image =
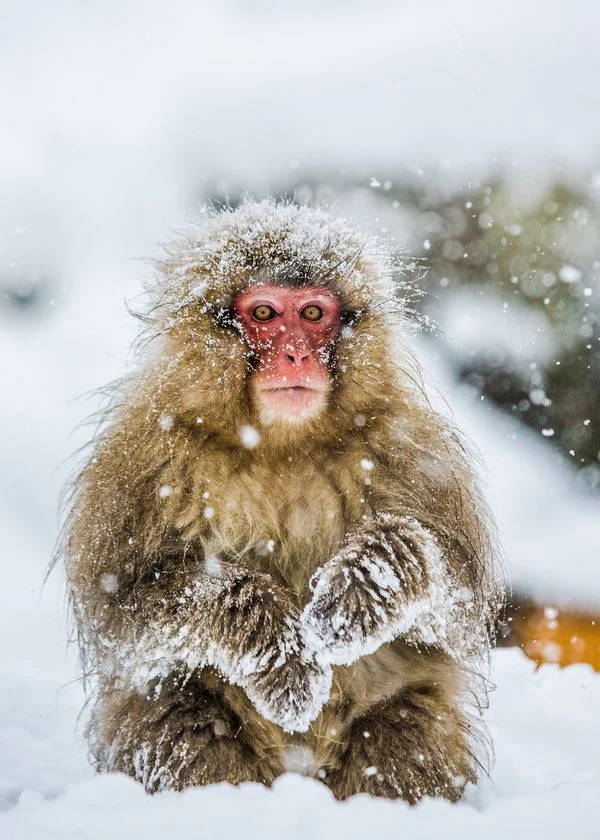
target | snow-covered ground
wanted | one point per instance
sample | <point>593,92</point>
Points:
<point>115,116</point>
<point>546,782</point>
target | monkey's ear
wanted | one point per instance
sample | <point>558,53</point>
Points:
<point>351,317</point>
<point>225,317</point>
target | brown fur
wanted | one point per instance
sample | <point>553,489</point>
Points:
<point>277,513</point>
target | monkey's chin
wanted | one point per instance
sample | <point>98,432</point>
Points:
<point>289,405</point>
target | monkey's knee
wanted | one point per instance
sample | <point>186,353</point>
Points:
<point>181,738</point>
<point>412,746</point>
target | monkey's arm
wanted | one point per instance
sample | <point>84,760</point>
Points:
<point>236,620</point>
<point>388,580</point>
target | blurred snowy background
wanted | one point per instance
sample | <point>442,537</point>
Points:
<point>467,131</point>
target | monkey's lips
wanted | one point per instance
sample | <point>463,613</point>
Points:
<point>289,401</point>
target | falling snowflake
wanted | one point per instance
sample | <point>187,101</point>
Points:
<point>569,274</point>
<point>165,421</point>
<point>109,583</point>
<point>249,436</point>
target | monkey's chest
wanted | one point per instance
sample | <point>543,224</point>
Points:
<point>284,523</point>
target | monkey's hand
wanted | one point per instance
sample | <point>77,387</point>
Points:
<point>289,686</point>
<point>260,647</point>
<point>388,580</point>
<point>247,628</point>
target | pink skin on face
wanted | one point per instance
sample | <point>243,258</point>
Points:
<point>290,331</point>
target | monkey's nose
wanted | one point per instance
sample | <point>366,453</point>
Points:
<point>296,357</point>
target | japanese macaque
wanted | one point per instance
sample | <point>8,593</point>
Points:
<point>277,555</point>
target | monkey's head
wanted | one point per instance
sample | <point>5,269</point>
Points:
<point>274,316</point>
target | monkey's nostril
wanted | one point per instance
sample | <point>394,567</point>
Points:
<point>297,358</point>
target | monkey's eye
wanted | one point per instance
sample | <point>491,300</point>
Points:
<point>312,312</point>
<point>263,312</point>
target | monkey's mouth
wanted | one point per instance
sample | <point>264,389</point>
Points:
<point>289,402</point>
<point>291,388</point>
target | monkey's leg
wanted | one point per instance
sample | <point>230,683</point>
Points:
<point>184,736</point>
<point>411,746</point>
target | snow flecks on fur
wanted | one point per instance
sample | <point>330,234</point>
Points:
<point>267,240</point>
<point>366,596</point>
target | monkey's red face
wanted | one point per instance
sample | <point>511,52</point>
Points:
<point>290,333</point>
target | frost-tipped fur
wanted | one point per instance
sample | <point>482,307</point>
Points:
<point>190,557</point>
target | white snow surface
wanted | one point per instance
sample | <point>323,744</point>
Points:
<point>544,723</point>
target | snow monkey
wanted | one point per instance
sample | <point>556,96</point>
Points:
<point>277,554</point>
